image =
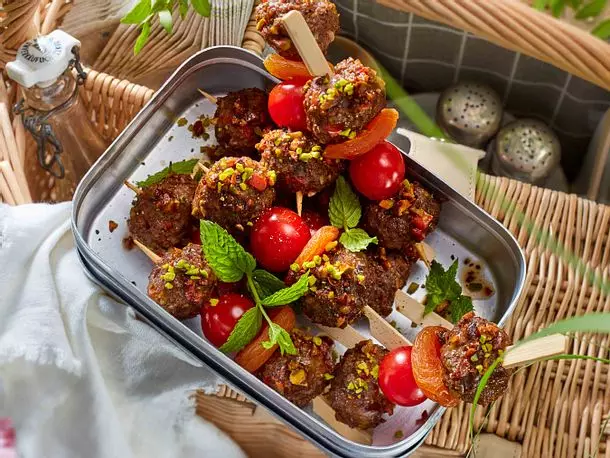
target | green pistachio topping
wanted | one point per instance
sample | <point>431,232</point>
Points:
<point>168,285</point>
<point>295,267</point>
<point>317,340</point>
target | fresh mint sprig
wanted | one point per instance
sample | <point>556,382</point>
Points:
<point>144,12</point>
<point>442,286</point>
<point>231,262</point>
<point>181,168</point>
<point>344,212</point>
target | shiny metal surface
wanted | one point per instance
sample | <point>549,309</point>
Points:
<point>153,139</point>
<point>525,149</point>
<point>469,113</point>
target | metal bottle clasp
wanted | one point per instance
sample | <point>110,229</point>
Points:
<point>36,122</point>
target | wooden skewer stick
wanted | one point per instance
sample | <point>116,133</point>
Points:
<point>299,202</point>
<point>199,167</point>
<point>210,97</point>
<point>13,184</point>
<point>529,352</point>
<point>133,187</point>
<point>426,253</point>
<point>154,257</point>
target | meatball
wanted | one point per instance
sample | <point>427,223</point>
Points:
<point>301,377</point>
<point>339,106</point>
<point>354,392</point>
<point>241,120</point>
<point>467,352</point>
<point>321,17</point>
<point>386,273</point>
<point>336,296</point>
<point>403,220</point>
<point>298,162</point>
<point>182,282</point>
<point>161,215</point>
<point>234,193</point>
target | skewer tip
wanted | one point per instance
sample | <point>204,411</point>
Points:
<point>299,202</point>
<point>133,187</point>
<point>154,257</point>
<point>210,97</point>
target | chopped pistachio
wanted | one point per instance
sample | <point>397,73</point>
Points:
<point>412,287</point>
<point>312,281</point>
<point>181,264</point>
<point>239,167</point>
<point>299,150</point>
<point>345,133</point>
<point>317,340</point>
<point>243,186</point>
<point>204,273</point>
<point>278,141</point>
<point>479,368</point>
<point>330,245</point>
<point>398,434</point>
<point>165,266</point>
<point>325,258</point>
<point>360,278</point>
<point>483,338</point>
<point>317,259</point>
<point>226,173</point>
<point>350,386</point>
<point>474,358</point>
<point>313,289</point>
<point>278,151</point>
<point>250,223</point>
<point>182,122</point>
<point>331,294</point>
<point>316,148</point>
<point>349,89</point>
<point>195,277</point>
<point>375,371</point>
<point>219,187</point>
<point>295,267</point>
<point>213,302</point>
<point>168,276</point>
<point>309,264</point>
<point>298,377</point>
<point>168,285</point>
<point>328,376</point>
<point>352,135</point>
<point>272,176</point>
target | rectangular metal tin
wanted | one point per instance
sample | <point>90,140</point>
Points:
<point>152,139</point>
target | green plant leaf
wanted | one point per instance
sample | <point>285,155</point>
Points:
<point>459,307</point>
<point>441,285</point>
<point>602,30</point>
<point>142,38</point>
<point>591,9</point>
<point>184,7</point>
<point>244,331</point>
<point>279,336</point>
<point>557,7</point>
<point>344,209</point>
<point>356,240</point>
<point>266,283</point>
<point>540,4</point>
<point>165,19</point>
<point>202,7</point>
<point>138,13</point>
<point>181,168</point>
<point>288,295</point>
<point>591,322</point>
<point>226,257</point>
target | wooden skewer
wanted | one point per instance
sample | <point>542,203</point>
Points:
<point>426,253</point>
<point>154,257</point>
<point>199,167</point>
<point>529,352</point>
<point>5,191</point>
<point>13,184</point>
<point>299,202</point>
<point>210,97</point>
<point>133,187</point>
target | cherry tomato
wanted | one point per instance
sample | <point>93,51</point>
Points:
<point>217,321</point>
<point>278,237</point>
<point>286,105</point>
<point>428,368</point>
<point>314,220</point>
<point>396,378</point>
<point>378,173</point>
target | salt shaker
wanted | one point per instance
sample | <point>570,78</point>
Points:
<point>49,72</point>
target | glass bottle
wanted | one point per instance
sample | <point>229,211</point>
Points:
<point>49,72</point>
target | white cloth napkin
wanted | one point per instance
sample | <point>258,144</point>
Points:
<point>81,376</point>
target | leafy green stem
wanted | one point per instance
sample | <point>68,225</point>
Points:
<point>256,297</point>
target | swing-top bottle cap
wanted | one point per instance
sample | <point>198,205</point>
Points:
<point>42,60</point>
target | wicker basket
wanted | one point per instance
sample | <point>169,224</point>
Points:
<point>555,409</point>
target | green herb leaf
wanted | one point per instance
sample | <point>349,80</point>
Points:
<point>138,13</point>
<point>181,168</point>
<point>142,38</point>
<point>344,210</point>
<point>279,336</point>
<point>244,331</point>
<point>356,240</point>
<point>184,6</point>
<point>441,286</point>
<point>266,283</point>
<point>202,7</point>
<point>226,257</point>
<point>165,19</point>
<point>459,307</point>
<point>591,9</point>
<point>602,30</point>
<point>288,295</point>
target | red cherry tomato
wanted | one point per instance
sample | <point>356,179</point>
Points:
<point>278,237</point>
<point>314,220</point>
<point>396,378</point>
<point>378,173</point>
<point>286,105</point>
<point>217,321</point>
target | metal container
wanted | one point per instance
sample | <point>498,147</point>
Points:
<point>525,149</point>
<point>469,113</point>
<point>153,139</point>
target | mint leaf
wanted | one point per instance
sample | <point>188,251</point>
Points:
<point>181,168</point>
<point>279,336</point>
<point>202,7</point>
<point>441,286</point>
<point>226,257</point>
<point>356,240</point>
<point>138,13</point>
<point>165,19</point>
<point>244,331</point>
<point>287,295</point>
<point>142,38</point>
<point>266,283</point>
<point>344,210</point>
<point>460,307</point>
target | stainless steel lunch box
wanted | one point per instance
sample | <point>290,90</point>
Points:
<point>154,138</point>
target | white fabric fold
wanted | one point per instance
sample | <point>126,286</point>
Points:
<point>81,376</point>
